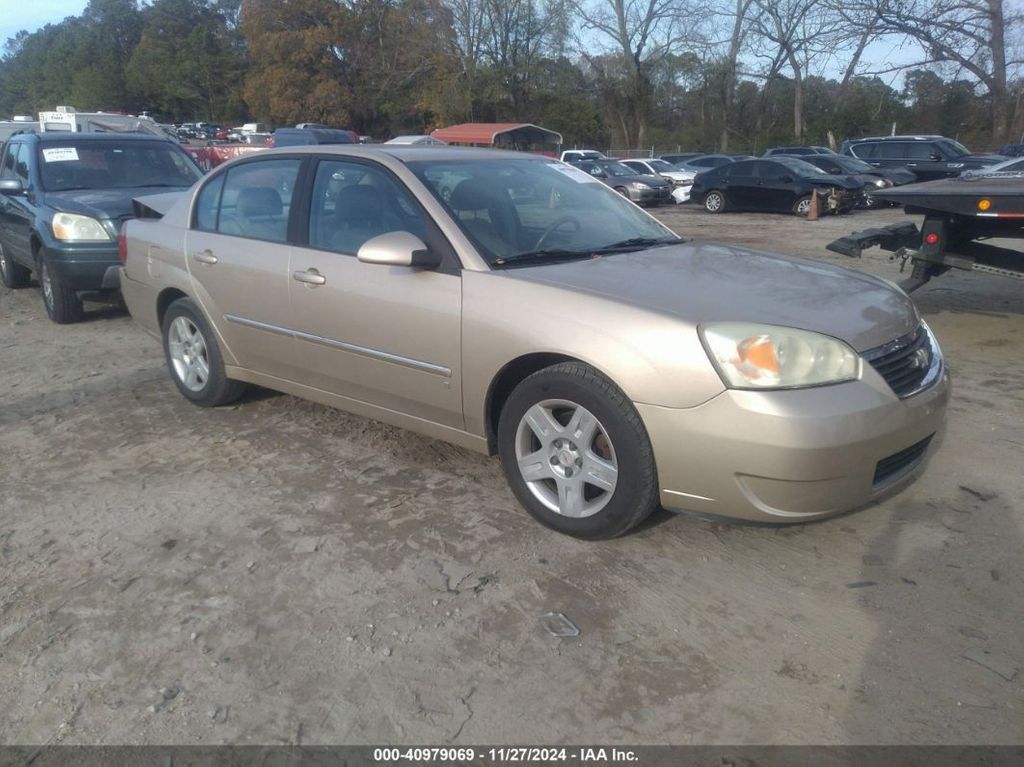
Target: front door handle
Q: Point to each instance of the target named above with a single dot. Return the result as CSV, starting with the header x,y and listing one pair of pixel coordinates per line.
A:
x,y
309,277
205,257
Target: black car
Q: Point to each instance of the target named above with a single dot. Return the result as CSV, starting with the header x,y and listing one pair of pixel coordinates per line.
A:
x,y
928,157
640,188
63,198
798,150
309,136
872,178
781,185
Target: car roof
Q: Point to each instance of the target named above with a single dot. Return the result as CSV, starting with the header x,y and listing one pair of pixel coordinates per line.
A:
x,y
405,152
54,136
918,137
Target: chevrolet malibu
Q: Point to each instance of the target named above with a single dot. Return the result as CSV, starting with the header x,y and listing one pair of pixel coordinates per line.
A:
x,y
531,312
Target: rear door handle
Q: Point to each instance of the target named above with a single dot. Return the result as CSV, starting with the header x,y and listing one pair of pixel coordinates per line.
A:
x,y
309,277
205,257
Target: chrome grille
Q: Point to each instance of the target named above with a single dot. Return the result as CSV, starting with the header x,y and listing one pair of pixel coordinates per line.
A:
x,y
907,364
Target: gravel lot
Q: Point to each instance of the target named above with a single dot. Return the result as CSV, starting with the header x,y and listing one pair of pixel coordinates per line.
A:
x,y
279,572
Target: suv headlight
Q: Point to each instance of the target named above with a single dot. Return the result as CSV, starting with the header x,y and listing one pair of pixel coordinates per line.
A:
x,y
71,227
753,356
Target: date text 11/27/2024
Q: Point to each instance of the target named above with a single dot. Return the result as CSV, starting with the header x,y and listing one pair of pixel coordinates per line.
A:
x,y
503,754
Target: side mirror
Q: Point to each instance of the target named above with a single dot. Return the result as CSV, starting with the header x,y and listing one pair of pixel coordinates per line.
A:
x,y
11,186
935,156
398,249
786,179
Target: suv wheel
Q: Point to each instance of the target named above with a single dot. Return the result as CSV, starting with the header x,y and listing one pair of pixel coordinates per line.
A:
x,y
62,304
194,359
13,275
576,453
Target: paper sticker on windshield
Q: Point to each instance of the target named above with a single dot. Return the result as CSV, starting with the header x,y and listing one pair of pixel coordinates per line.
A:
x,y
60,154
577,175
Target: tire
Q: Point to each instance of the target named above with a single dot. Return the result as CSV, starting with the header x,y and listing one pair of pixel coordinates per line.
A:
x,y
622,190
194,359
802,207
62,303
543,418
12,274
715,202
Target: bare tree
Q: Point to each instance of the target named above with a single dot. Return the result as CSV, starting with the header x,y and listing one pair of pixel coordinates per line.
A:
x,y
641,32
970,34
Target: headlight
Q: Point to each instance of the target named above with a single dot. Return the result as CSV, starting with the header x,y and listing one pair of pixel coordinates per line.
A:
x,y
751,356
639,186
73,228
880,182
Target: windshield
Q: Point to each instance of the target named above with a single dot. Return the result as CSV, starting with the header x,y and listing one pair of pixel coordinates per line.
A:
x,y
661,166
958,149
66,165
521,206
617,169
800,167
850,165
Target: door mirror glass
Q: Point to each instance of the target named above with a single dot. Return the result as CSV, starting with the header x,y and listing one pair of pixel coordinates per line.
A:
x,y
11,186
398,249
786,179
935,157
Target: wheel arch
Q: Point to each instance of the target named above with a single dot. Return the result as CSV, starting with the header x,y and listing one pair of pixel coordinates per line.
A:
x,y
167,297
510,376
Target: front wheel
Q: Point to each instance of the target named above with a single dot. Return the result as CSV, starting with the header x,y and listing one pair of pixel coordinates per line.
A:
x,y
12,274
802,207
576,453
714,202
194,359
62,303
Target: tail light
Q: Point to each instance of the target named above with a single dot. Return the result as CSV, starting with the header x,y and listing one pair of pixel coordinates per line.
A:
x,y
122,244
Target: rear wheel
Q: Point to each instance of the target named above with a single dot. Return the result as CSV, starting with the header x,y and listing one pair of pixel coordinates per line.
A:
x,y
13,275
576,453
714,202
194,359
62,303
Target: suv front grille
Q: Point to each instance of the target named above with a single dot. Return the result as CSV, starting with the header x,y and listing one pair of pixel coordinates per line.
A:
x,y
905,363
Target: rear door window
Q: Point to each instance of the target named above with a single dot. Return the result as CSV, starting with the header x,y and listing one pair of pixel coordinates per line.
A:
x,y
256,199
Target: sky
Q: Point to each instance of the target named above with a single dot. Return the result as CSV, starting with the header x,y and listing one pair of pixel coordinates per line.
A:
x,y
16,15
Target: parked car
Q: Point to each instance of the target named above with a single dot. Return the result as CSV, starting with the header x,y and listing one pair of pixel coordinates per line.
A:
x,y
63,199
310,136
798,150
641,188
706,162
575,155
870,177
681,180
674,159
929,157
611,365
781,185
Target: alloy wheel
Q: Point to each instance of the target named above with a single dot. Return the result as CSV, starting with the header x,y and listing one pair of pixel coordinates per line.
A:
x,y
803,207
46,280
566,458
189,356
713,201
3,263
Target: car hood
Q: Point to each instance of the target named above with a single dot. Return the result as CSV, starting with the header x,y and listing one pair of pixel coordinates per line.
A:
x,y
701,282
895,175
100,203
982,159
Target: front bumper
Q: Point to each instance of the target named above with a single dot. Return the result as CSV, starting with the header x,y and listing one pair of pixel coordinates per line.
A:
x,y
653,196
86,266
791,456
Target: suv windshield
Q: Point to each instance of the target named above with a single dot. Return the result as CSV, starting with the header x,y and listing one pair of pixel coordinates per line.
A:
x,y
535,208
955,147
66,165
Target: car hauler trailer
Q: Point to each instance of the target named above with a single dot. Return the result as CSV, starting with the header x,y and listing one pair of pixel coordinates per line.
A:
x,y
973,222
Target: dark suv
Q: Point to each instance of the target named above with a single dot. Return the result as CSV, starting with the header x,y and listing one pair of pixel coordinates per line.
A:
x,y
63,198
929,157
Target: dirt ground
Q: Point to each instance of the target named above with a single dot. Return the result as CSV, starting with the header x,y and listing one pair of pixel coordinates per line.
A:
x,y
279,572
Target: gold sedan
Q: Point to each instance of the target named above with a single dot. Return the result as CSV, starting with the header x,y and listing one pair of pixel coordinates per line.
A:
x,y
512,304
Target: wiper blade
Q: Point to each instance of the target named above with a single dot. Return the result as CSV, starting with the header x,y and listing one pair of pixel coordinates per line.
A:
x,y
636,243
545,254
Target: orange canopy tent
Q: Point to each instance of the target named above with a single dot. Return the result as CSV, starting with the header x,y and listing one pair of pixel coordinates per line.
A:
x,y
510,135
